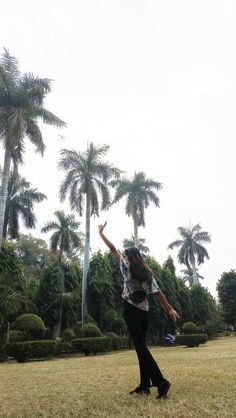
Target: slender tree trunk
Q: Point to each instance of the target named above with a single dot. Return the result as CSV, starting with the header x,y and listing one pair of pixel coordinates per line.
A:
x,y
57,327
8,331
195,278
4,187
86,261
135,231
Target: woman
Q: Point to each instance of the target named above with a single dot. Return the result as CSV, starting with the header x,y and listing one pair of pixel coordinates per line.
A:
x,y
138,282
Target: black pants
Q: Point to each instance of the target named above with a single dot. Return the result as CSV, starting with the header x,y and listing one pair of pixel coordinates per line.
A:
x,y
137,323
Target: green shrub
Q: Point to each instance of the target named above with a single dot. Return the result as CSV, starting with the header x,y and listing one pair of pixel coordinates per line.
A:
x,y
191,340
189,328
212,328
68,334
91,345
3,354
89,330
63,346
31,325
16,336
31,349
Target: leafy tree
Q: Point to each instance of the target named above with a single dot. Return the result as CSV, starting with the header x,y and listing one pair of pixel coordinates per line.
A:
x,y
87,177
34,254
139,192
188,276
100,287
14,292
185,302
226,288
64,240
21,105
203,305
66,236
51,297
141,244
191,249
21,198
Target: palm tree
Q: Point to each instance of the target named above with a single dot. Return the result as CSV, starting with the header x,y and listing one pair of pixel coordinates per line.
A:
x,y
21,105
191,249
86,178
141,244
20,203
188,276
63,240
140,192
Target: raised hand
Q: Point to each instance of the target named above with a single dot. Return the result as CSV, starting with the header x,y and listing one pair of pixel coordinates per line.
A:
x,y
101,227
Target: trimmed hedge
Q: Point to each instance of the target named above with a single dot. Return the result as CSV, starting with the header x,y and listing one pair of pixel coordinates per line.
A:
x,y
91,345
31,350
189,328
191,340
31,325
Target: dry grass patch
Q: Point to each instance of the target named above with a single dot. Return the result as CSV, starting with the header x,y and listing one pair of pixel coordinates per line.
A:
x,y
203,385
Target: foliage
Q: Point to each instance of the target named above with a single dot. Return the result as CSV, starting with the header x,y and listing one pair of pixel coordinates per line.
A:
x,y
16,336
113,321
141,244
191,249
31,326
189,328
66,237
100,287
28,350
90,330
185,302
203,305
226,287
191,340
91,345
68,334
34,254
21,198
212,327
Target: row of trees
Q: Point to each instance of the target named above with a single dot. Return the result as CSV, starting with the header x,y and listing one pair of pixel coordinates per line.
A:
x,y
88,178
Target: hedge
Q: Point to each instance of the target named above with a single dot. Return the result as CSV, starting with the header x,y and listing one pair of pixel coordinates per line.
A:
x,y
27,350
190,328
191,340
91,345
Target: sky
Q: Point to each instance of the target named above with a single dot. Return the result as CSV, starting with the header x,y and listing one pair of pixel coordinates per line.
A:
x,y
155,80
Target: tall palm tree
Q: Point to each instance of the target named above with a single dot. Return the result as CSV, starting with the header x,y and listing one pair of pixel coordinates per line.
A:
x,y
86,179
21,105
20,203
191,250
139,191
65,238
141,244
188,276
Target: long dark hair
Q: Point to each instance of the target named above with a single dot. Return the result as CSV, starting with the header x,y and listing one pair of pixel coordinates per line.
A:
x,y
138,269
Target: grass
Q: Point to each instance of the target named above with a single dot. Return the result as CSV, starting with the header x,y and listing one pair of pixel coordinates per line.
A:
x,y
203,385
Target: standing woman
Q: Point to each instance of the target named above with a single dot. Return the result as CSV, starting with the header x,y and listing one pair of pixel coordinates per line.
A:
x,y
138,283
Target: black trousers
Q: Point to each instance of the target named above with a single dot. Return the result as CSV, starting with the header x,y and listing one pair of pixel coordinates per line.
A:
x,y
137,323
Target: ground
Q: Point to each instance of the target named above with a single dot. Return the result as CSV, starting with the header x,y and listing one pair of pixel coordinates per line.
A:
x,y
203,385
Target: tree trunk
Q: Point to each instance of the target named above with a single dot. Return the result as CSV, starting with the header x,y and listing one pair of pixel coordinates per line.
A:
x,y
195,278
86,261
57,327
135,231
4,187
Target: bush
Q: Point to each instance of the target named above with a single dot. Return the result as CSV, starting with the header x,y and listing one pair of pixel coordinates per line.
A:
x,y
31,325
16,336
91,345
212,328
63,346
189,328
191,340
88,330
117,342
68,334
31,350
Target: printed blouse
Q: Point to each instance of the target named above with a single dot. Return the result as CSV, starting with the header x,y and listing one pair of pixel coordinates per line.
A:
x,y
130,286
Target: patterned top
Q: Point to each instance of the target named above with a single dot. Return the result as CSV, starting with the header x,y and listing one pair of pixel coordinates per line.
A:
x,y
130,286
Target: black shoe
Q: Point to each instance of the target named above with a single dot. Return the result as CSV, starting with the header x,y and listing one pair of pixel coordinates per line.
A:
x,y
163,389
140,391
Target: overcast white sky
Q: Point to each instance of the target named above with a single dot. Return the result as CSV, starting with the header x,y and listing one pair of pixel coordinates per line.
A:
x,y
156,81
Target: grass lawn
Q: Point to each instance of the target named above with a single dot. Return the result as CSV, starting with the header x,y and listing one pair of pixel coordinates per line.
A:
x,y
203,385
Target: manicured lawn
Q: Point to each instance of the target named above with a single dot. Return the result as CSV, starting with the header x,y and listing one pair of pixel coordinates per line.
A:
x,y
203,385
